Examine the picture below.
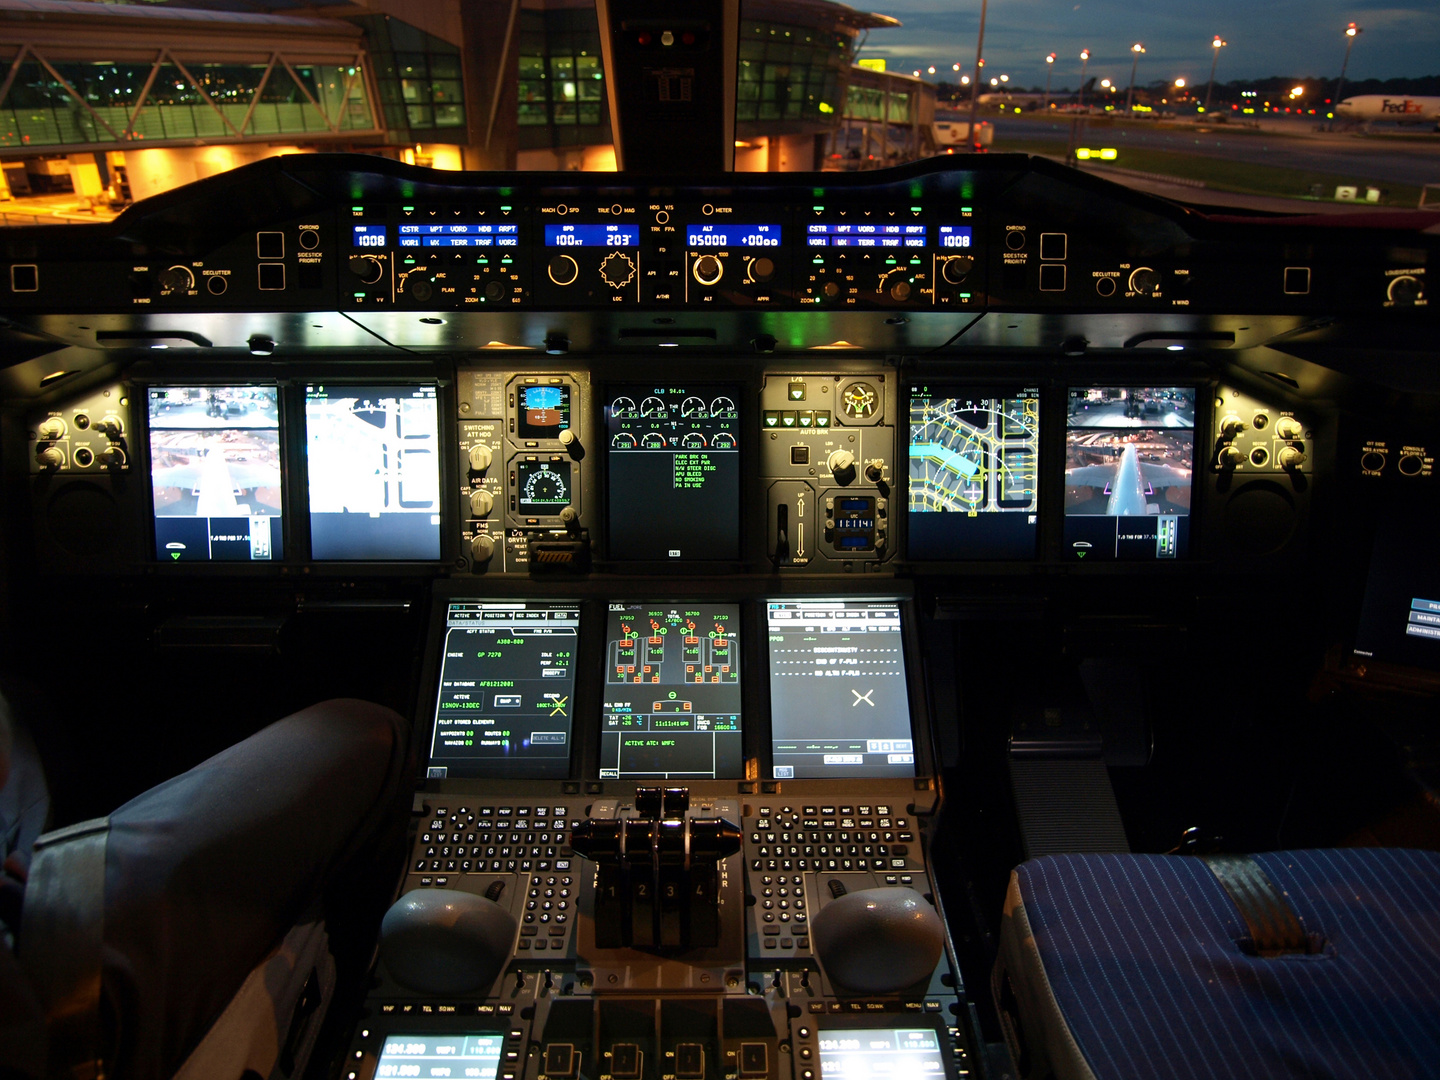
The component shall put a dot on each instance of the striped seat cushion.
(1134, 966)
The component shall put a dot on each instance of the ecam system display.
(674, 472)
(507, 684)
(839, 702)
(672, 692)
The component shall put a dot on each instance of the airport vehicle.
(740, 547)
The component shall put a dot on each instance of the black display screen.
(372, 455)
(839, 703)
(507, 682)
(974, 459)
(215, 473)
(674, 457)
(430, 1056)
(1129, 455)
(544, 410)
(672, 693)
(1400, 617)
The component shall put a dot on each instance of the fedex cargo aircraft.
(1405, 110)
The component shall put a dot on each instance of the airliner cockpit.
(964, 619)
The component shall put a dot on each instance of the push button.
(560, 1060)
(754, 1059)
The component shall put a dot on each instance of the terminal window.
(674, 458)
(215, 473)
(507, 682)
(672, 693)
(839, 700)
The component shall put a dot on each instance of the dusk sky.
(1280, 37)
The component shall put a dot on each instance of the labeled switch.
(689, 1061)
(270, 245)
(625, 1061)
(1053, 245)
(560, 1060)
(1052, 277)
(754, 1059)
(799, 455)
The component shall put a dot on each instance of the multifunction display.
(429, 1057)
(215, 473)
(880, 1054)
(544, 410)
(674, 465)
(507, 680)
(974, 455)
(838, 700)
(672, 693)
(1129, 454)
(373, 463)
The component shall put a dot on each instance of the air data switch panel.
(374, 468)
(215, 473)
(674, 457)
(839, 703)
(507, 680)
(1129, 456)
(672, 693)
(974, 458)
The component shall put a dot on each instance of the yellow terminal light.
(875, 63)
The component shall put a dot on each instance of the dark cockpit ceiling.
(1257, 397)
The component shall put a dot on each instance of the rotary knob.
(1229, 457)
(112, 457)
(111, 428)
(1410, 465)
(480, 457)
(52, 427)
(762, 269)
(421, 288)
(494, 291)
(1290, 457)
(1405, 289)
(367, 268)
(50, 457)
(830, 290)
(482, 548)
(1287, 427)
(563, 270)
(708, 270)
(1144, 280)
(957, 268)
(900, 290)
(176, 278)
(1231, 426)
(841, 464)
(481, 503)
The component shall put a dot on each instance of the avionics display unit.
(373, 463)
(881, 1054)
(1129, 458)
(839, 701)
(215, 473)
(507, 686)
(974, 460)
(1400, 616)
(672, 705)
(423, 1057)
(674, 472)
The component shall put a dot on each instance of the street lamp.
(1350, 33)
(1218, 44)
(1139, 51)
(1049, 70)
(1084, 62)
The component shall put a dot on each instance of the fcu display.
(674, 462)
(973, 465)
(880, 1054)
(839, 704)
(1129, 453)
(215, 473)
(507, 680)
(422, 1057)
(672, 693)
(374, 472)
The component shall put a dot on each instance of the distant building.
(120, 101)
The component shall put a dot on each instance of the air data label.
(672, 693)
(507, 678)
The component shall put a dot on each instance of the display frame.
(842, 1023)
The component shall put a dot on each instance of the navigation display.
(542, 488)
(507, 679)
(423, 1057)
(974, 492)
(215, 473)
(880, 1054)
(672, 693)
(1129, 454)
(674, 464)
(839, 704)
(373, 461)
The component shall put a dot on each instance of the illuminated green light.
(357, 209)
(890, 261)
(359, 296)
(817, 208)
(914, 209)
(964, 209)
(505, 209)
(408, 209)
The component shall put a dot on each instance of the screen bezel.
(828, 1022)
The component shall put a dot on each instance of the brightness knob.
(1231, 426)
(1290, 457)
(52, 427)
(50, 457)
(1229, 457)
(1287, 427)
(1144, 280)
